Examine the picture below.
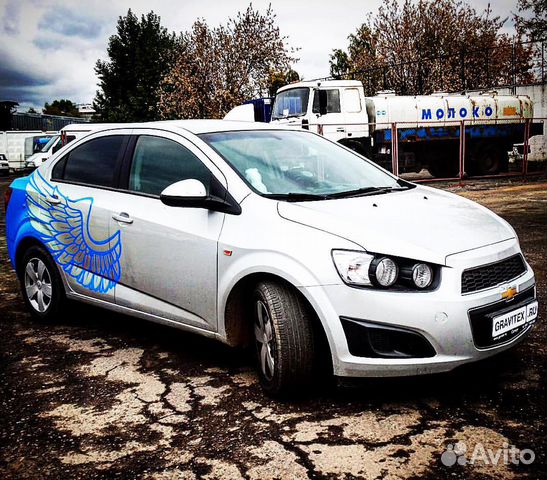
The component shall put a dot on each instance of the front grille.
(481, 319)
(488, 276)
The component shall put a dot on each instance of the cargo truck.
(428, 126)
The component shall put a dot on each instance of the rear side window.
(352, 100)
(159, 162)
(59, 169)
(94, 162)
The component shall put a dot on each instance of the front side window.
(94, 162)
(49, 144)
(330, 97)
(291, 103)
(159, 162)
(282, 163)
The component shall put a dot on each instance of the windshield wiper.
(296, 197)
(365, 191)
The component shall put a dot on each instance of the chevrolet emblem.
(508, 293)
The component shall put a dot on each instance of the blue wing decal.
(64, 229)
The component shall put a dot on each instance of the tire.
(41, 285)
(445, 168)
(357, 147)
(490, 160)
(284, 339)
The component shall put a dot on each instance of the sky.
(48, 48)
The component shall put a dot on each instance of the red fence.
(466, 136)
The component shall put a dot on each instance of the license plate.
(514, 319)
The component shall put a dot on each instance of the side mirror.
(319, 101)
(191, 193)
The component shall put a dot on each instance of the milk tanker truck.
(428, 126)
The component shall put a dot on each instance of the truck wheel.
(357, 147)
(41, 284)
(284, 337)
(490, 160)
(444, 168)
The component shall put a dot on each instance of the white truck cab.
(337, 105)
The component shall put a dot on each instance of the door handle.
(53, 200)
(122, 217)
(341, 129)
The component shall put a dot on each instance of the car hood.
(422, 223)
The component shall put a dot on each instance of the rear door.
(72, 209)
(169, 261)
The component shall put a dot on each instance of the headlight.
(362, 269)
(385, 271)
(352, 266)
(422, 275)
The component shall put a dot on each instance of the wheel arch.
(237, 319)
(22, 246)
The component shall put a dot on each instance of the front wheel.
(41, 284)
(284, 337)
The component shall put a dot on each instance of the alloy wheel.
(38, 285)
(264, 340)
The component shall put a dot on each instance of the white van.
(65, 136)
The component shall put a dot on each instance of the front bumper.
(442, 317)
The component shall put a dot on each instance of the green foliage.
(139, 55)
(339, 63)
(279, 79)
(59, 107)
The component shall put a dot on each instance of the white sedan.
(279, 238)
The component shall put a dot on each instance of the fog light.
(386, 272)
(422, 275)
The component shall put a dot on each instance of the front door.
(169, 260)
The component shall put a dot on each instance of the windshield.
(291, 103)
(299, 165)
(49, 144)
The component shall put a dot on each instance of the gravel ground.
(107, 396)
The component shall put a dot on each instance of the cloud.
(68, 23)
(12, 15)
(48, 48)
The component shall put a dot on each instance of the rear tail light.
(7, 197)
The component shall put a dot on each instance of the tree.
(425, 46)
(532, 20)
(31, 110)
(60, 107)
(339, 63)
(279, 79)
(139, 55)
(218, 68)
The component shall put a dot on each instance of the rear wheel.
(41, 284)
(489, 160)
(444, 168)
(284, 338)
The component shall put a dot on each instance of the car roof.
(192, 126)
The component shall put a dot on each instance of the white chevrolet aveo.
(280, 238)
